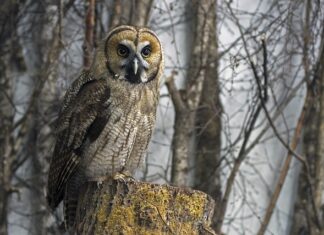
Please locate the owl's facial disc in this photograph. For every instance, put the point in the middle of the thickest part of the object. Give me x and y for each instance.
(133, 64)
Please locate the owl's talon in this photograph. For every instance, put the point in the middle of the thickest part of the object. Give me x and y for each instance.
(99, 183)
(124, 177)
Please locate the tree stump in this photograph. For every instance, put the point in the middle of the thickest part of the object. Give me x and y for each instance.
(131, 207)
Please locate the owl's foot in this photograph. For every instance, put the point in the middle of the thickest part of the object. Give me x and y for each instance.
(100, 181)
(124, 176)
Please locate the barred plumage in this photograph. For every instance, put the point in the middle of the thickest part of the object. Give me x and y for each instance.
(107, 116)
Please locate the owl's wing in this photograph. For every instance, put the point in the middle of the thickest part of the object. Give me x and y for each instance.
(79, 122)
(70, 95)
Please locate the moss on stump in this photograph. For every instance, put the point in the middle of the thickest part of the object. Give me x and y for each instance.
(131, 207)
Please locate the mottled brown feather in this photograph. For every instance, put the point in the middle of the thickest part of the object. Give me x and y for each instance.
(82, 109)
(107, 120)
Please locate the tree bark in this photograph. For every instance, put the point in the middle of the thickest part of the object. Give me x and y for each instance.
(130, 207)
(10, 56)
(308, 214)
(88, 45)
(208, 134)
(6, 120)
(131, 12)
(183, 133)
(141, 12)
(201, 74)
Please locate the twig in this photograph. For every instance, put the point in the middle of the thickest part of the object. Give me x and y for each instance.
(237, 163)
(263, 98)
(305, 110)
(291, 152)
(284, 170)
(241, 155)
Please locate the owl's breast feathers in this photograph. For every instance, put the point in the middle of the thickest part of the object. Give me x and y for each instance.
(88, 105)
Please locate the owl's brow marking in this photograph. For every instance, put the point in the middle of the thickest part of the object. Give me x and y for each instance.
(113, 33)
(152, 34)
(127, 43)
(141, 45)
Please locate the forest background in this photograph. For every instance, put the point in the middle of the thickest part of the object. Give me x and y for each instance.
(241, 113)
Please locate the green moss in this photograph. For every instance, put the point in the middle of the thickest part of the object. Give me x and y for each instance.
(191, 205)
(102, 212)
(121, 217)
(146, 210)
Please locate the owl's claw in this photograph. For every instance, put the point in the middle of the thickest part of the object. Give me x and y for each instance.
(99, 183)
(124, 177)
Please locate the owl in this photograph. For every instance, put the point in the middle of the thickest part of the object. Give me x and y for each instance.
(107, 117)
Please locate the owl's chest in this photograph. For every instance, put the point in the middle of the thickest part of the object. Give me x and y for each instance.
(124, 138)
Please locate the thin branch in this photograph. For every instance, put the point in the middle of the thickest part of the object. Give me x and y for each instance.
(284, 170)
(291, 153)
(237, 163)
(263, 98)
(241, 155)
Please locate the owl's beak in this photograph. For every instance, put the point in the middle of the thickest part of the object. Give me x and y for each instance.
(134, 70)
(135, 65)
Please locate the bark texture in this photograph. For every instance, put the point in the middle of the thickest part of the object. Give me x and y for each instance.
(10, 60)
(308, 214)
(89, 39)
(201, 77)
(130, 207)
(131, 12)
(208, 136)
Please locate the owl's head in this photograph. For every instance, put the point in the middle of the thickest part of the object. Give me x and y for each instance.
(133, 54)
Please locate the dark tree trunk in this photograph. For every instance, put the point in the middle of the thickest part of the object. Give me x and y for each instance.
(308, 214)
(208, 134)
(9, 60)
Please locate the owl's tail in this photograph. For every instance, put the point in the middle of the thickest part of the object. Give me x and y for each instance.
(53, 201)
(71, 202)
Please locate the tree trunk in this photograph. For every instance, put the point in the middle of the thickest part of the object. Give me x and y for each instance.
(131, 12)
(141, 12)
(183, 133)
(201, 77)
(208, 134)
(9, 60)
(308, 214)
(89, 39)
(6, 121)
(319, 160)
(130, 207)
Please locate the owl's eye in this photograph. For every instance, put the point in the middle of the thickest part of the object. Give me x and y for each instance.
(146, 51)
(122, 51)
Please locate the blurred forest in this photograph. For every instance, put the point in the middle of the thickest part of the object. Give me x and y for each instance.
(241, 113)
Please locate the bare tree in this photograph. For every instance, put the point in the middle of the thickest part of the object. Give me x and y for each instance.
(308, 212)
(248, 112)
(202, 79)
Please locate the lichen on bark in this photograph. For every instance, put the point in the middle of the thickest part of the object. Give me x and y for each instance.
(130, 207)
